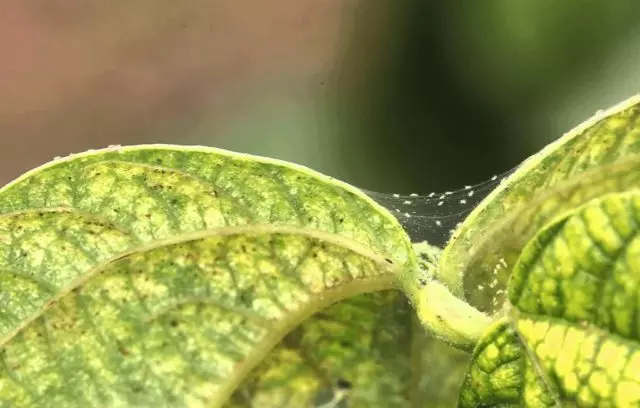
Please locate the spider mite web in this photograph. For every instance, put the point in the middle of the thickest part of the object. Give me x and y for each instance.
(434, 216)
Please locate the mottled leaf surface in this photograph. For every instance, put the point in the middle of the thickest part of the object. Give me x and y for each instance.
(597, 157)
(157, 275)
(573, 336)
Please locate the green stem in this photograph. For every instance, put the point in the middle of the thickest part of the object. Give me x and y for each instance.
(444, 315)
(449, 318)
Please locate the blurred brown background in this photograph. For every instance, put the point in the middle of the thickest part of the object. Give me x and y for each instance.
(391, 95)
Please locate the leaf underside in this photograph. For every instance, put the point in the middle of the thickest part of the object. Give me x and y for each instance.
(157, 275)
(381, 359)
(573, 336)
(598, 157)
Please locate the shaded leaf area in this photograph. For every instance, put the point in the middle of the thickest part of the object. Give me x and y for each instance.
(595, 158)
(444, 368)
(163, 275)
(515, 229)
(367, 350)
(576, 292)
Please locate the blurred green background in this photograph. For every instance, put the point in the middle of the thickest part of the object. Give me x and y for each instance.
(392, 95)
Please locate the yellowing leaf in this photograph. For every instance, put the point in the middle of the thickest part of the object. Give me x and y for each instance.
(162, 275)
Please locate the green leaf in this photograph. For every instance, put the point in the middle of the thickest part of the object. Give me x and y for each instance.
(164, 275)
(597, 157)
(573, 336)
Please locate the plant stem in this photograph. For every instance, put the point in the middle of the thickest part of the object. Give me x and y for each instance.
(449, 318)
(440, 311)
